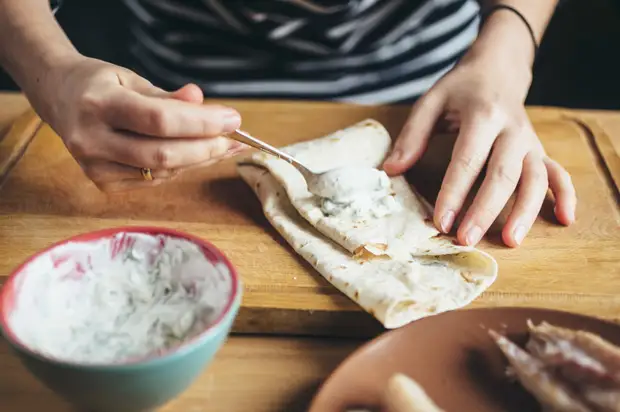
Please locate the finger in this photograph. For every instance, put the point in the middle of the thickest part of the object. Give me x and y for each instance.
(530, 197)
(131, 80)
(111, 177)
(563, 191)
(190, 93)
(500, 182)
(167, 117)
(471, 150)
(413, 139)
(140, 151)
(102, 171)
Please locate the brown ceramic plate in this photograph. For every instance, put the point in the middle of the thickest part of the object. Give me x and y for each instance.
(452, 357)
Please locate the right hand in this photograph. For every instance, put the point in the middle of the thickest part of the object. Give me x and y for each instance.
(115, 123)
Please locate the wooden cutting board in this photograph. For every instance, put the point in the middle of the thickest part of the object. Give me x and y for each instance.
(46, 198)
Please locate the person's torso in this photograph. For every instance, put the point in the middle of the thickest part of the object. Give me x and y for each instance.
(366, 51)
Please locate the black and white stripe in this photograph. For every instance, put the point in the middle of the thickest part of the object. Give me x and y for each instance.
(55, 5)
(361, 51)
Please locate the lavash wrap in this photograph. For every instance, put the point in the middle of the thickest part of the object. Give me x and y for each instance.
(396, 268)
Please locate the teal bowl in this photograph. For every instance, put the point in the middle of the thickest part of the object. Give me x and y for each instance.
(138, 383)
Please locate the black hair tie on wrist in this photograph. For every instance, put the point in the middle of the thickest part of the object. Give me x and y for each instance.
(497, 7)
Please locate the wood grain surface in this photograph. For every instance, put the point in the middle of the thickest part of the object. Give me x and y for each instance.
(11, 106)
(605, 130)
(254, 374)
(14, 142)
(46, 198)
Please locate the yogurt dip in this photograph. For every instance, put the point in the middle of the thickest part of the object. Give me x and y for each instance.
(117, 299)
(356, 192)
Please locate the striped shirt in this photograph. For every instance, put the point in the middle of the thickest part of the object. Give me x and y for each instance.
(356, 51)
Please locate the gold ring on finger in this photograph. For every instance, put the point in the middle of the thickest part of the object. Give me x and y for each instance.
(146, 173)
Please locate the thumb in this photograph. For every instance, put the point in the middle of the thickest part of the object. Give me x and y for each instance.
(413, 139)
(189, 93)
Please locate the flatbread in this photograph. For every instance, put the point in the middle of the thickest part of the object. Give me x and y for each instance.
(399, 235)
(394, 291)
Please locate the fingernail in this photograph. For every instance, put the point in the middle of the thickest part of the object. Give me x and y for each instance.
(519, 234)
(446, 221)
(232, 121)
(473, 235)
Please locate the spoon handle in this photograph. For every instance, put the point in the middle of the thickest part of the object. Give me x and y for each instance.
(244, 137)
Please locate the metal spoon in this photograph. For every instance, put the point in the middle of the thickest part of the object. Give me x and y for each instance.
(330, 184)
(244, 137)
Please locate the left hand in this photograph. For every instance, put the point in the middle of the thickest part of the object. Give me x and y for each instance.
(487, 104)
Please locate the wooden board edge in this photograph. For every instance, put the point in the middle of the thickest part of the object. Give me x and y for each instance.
(14, 144)
(13, 104)
(305, 322)
(607, 158)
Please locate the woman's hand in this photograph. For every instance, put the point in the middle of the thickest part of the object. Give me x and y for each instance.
(485, 101)
(114, 123)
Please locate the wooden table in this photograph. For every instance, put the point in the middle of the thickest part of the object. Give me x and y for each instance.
(44, 198)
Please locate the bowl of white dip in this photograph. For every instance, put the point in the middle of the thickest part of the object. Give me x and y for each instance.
(120, 319)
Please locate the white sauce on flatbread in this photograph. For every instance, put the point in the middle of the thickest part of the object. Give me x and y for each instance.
(371, 205)
(355, 192)
(344, 184)
(111, 300)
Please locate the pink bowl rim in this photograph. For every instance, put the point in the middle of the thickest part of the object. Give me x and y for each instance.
(7, 290)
